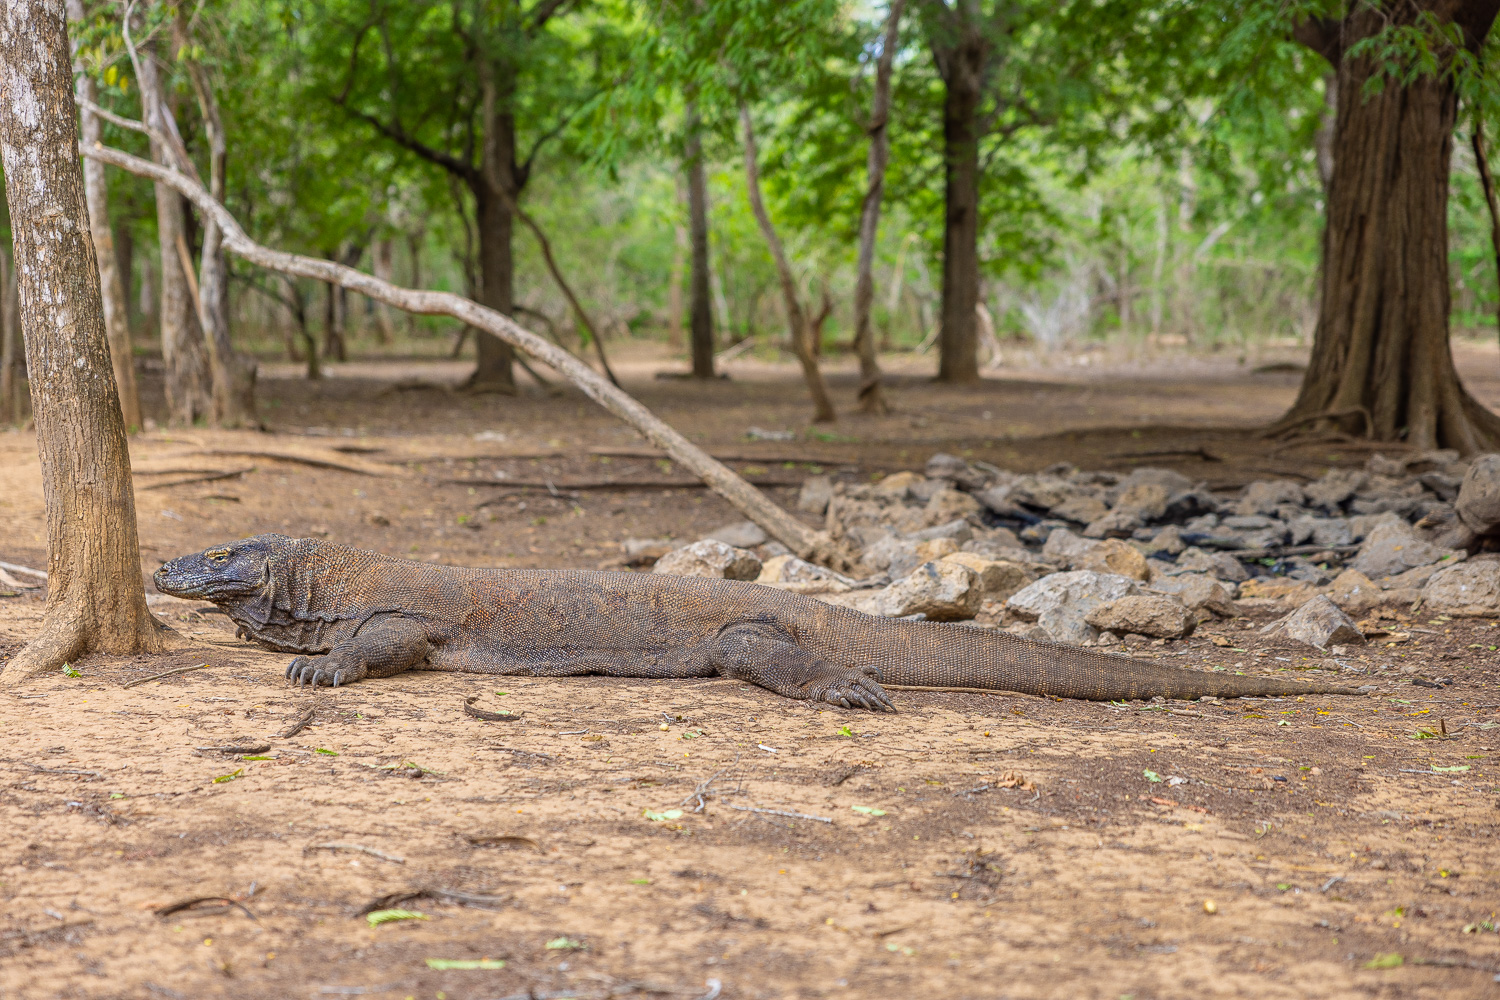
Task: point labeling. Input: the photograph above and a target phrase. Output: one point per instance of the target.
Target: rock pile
(1087, 557)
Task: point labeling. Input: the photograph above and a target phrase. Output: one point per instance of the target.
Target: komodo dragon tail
(928, 654)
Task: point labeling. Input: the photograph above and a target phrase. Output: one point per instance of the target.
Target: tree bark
(495, 190)
(10, 342)
(744, 497)
(333, 333)
(96, 600)
(1381, 363)
(1487, 182)
(801, 331)
(700, 308)
(383, 264)
(960, 59)
(871, 394)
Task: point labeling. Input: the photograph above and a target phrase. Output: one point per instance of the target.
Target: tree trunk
(699, 307)
(958, 353)
(116, 304)
(383, 263)
(333, 330)
(674, 289)
(1381, 363)
(796, 316)
(125, 262)
(871, 395)
(10, 342)
(96, 600)
(309, 345)
(497, 179)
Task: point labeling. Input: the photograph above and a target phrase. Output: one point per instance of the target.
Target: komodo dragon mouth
(354, 615)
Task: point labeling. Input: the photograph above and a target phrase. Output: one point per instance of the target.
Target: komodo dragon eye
(218, 555)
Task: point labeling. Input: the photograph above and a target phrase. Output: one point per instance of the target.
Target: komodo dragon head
(288, 593)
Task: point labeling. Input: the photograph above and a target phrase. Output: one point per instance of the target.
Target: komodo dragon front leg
(764, 654)
(384, 646)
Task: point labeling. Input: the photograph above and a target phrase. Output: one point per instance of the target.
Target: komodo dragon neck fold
(356, 615)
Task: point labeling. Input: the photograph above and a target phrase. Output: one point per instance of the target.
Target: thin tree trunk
(116, 304)
(96, 600)
(495, 191)
(333, 334)
(383, 264)
(674, 290)
(309, 345)
(700, 308)
(1487, 181)
(1381, 364)
(10, 342)
(871, 395)
(125, 262)
(823, 411)
(958, 353)
(746, 498)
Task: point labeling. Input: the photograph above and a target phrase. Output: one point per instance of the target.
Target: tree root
(59, 643)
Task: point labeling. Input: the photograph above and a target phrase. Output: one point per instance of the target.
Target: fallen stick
(23, 569)
(394, 859)
(755, 505)
(776, 812)
(215, 477)
(610, 484)
(299, 725)
(164, 673)
(337, 462)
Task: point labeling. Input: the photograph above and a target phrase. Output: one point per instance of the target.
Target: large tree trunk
(1381, 363)
(962, 69)
(871, 395)
(10, 343)
(116, 304)
(700, 308)
(96, 600)
(497, 179)
(796, 315)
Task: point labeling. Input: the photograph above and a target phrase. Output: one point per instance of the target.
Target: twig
(703, 786)
(237, 748)
(394, 899)
(394, 859)
(776, 812)
(483, 716)
(215, 477)
(189, 904)
(1331, 883)
(165, 673)
(54, 770)
(23, 569)
(299, 725)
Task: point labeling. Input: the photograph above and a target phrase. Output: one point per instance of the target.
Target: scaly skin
(353, 615)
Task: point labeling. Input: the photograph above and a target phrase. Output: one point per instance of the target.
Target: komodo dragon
(355, 615)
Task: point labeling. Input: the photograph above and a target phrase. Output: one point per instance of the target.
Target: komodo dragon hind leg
(384, 646)
(764, 654)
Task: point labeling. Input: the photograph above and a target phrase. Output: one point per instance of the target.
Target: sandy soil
(1344, 851)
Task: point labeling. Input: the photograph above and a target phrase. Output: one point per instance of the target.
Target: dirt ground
(701, 838)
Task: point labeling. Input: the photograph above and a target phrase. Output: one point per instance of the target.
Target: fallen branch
(164, 673)
(209, 478)
(776, 812)
(337, 461)
(755, 505)
(394, 859)
(23, 569)
(484, 716)
(299, 725)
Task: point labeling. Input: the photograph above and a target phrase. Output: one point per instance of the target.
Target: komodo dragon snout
(227, 571)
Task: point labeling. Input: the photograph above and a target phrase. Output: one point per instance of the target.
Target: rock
(1041, 491)
(997, 500)
(709, 558)
(1329, 531)
(1081, 509)
(1032, 631)
(1167, 541)
(1360, 525)
(640, 551)
(949, 505)
(1471, 588)
(1122, 522)
(897, 484)
(1418, 577)
(1335, 489)
(1277, 589)
(907, 558)
(1059, 602)
(1263, 496)
(1111, 555)
(1353, 590)
(942, 591)
(1199, 590)
(958, 472)
(816, 492)
(1144, 614)
(1064, 548)
(1318, 623)
(741, 535)
(1149, 499)
(1393, 547)
(959, 531)
(992, 541)
(1478, 503)
(792, 573)
(856, 521)
(1217, 564)
(997, 579)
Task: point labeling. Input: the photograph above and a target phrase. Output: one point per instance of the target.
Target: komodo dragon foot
(386, 645)
(765, 655)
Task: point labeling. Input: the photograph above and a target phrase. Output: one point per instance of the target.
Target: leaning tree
(1381, 363)
(96, 599)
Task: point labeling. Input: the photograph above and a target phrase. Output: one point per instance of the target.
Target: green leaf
(1390, 960)
(237, 772)
(565, 944)
(71, 671)
(657, 817)
(1283, 886)
(378, 917)
(1151, 775)
(258, 757)
(1450, 770)
(845, 731)
(329, 753)
(640, 881)
(868, 810)
(443, 964)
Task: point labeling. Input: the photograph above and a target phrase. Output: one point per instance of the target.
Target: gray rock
(1393, 547)
(924, 489)
(1172, 482)
(942, 591)
(1201, 523)
(1199, 590)
(816, 492)
(1168, 541)
(1215, 564)
(1146, 498)
(741, 534)
(1064, 548)
(1360, 525)
(948, 505)
(1335, 489)
(709, 558)
(1041, 491)
(1060, 602)
(640, 551)
(1122, 522)
(997, 500)
(1478, 505)
(1080, 508)
(1329, 531)
(998, 579)
(956, 471)
(1318, 623)
(1471, 588)
(1298, 568)
(960, 531)
(1038, 533)
(1263, 496)
(1144, 614)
